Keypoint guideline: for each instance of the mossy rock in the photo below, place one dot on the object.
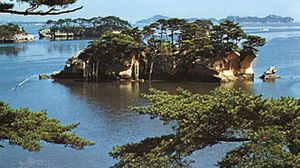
(44, 76)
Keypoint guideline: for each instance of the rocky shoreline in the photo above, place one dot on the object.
(56, 34)
(233, 67)
(18, 38)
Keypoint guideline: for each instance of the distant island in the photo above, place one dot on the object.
(82, 27)
(12, 33)
(271, 19)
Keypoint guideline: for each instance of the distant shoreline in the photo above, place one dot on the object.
(271, 20)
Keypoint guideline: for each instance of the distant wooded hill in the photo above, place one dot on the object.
(267, 19)
(271, 19)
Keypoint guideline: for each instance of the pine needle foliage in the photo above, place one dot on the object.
(27, 129)
(266, 130)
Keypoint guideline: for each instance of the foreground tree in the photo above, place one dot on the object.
(267, 130)
(55, 7)
(26, 128)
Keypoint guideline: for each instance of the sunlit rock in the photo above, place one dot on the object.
(270, 74)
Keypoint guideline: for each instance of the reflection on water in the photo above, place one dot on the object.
(12, 50)
(124, 94)
(246, 86)
(109, 94)
(63, 47)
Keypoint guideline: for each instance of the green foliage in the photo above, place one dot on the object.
(224, 37)
(9, 30)
(199, 41)
(26, 129)
(151, 152)
(196, 41)
(115, 42)
(110, 48)
(108, 23)
(88, 28)
(252, 42)
(266, 129)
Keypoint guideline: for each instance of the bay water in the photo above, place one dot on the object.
(101, 108)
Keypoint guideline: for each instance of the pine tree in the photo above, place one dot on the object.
(265, 130)
(55, 7)
(27, 129)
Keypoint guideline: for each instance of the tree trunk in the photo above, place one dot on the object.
(93, 71)
(172, 37)
(161, 36)
(136, 71)
(97, 70)
(151, 69)
(84, 70)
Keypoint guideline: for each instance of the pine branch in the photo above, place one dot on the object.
(41, 13)
(233, 139)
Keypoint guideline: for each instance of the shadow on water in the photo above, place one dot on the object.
(12, 50)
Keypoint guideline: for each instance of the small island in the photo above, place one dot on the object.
(12, 33)
(81, 27)
(168, 49)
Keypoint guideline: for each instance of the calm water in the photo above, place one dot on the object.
(101, 108)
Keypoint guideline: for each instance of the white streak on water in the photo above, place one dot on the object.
(23, 82)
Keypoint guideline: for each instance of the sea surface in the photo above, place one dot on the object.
(101, 108)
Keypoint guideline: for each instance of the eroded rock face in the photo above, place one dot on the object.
(23, 37)
(74, 69)
(232, 67)
(45, 33)
(235, 66)
(132, 72)
(81, 69)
